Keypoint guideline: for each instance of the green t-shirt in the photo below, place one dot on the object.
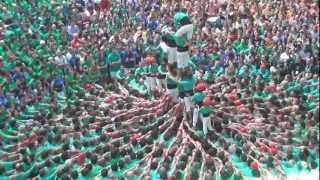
(114, 58)
(198, 97)
(186, 85)
(171, 82)
(153, 68)
(205, 110)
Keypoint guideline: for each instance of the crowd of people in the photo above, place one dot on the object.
(159, 89)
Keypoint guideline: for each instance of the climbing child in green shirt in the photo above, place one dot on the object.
(205, 112)
(197, 99)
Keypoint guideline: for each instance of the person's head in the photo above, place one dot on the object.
(104, 172)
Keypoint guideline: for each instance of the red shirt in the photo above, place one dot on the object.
(237, 103)
(105, 5)
(80, 158)
(134, 136)
(254, 165)
(115, 134)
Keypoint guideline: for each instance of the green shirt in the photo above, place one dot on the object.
(153, 68)
(114, 58)
(205, 110)
(186, 85)
(171, 82)
(198, 97)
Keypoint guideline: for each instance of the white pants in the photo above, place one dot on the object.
(206, 124)
(150, 83)
(186, 29)
(159, 83)
(113, 74)
(173, 93)
(164, 47)
(183, 59)
(172, 55)
(188, 103)
(195, 116)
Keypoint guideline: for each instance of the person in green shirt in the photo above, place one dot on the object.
(151, 69)
(185, 88)
(205, 112)
(113, 60)
(172, 83)
(170, 47)
(197, 99)
(161, 75)
(183, 37)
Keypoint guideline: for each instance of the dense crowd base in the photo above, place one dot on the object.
(110, 134)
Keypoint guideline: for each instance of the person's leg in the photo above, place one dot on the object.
(173, 93)
(188, 106)
(182, 60)
(195, 116)
(210, 124)
(204, 124)
(172, 55)
(159, 83)
(149, 85)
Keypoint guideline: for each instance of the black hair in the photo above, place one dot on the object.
(313, 164)
(163, 173)
(48, 163)
(243, 157)
(133, 155)
(121, 164)
(154, 164)
(253, 154)
(147, 149)
(238, 151)
(142, 143)
(88, 166)
(221, 155)
(114, 152)
(56, 159)
(122, 152)
(94, 159)
(2, 170)
(158, 152)
(134, 142)
(42, 172)
(116, 143)
(184, 157)
(85, 171)
(88, 154)
(98, 149)
(107, 156)
(65, 146)
(253, 138)
(126, 139)
(140, 155)
(103, 137)
(126, 159)
(65, 155)
(114, 167)
(256, 173)
(74, 174)
(303, 154)
(104, 172)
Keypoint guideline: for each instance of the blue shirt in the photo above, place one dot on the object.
(58, 83)
(3, 101)
(153, 25)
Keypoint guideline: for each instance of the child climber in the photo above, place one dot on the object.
(205, 112)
